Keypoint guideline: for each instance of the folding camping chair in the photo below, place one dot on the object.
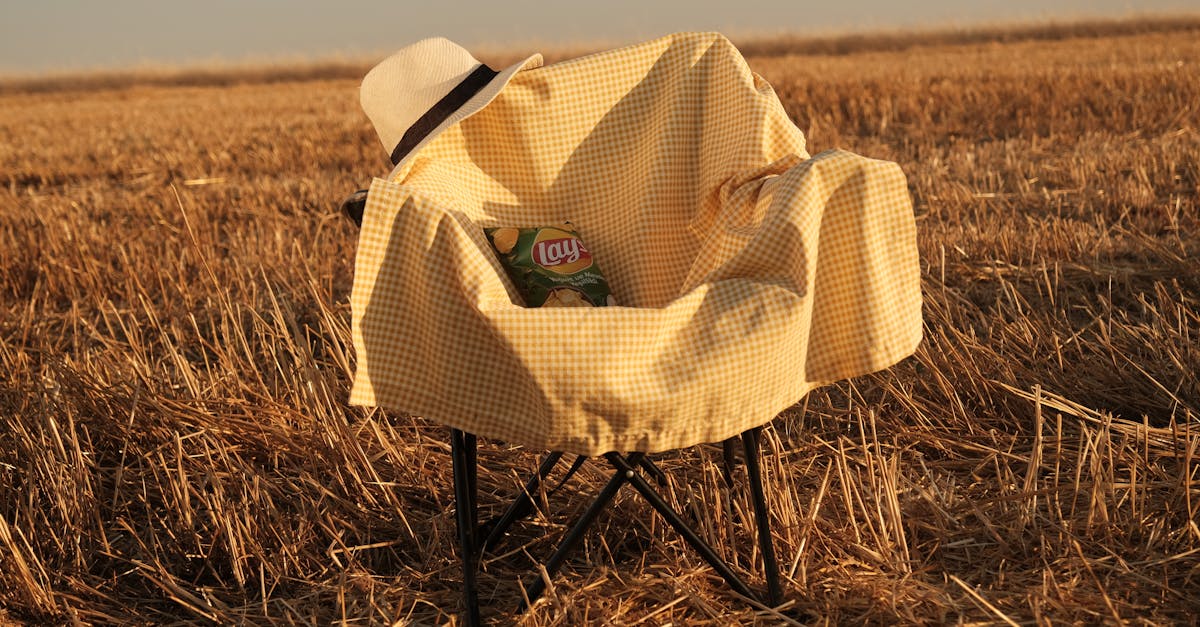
(475, 539)
(748, 274)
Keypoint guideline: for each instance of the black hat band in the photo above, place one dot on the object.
(438, 113)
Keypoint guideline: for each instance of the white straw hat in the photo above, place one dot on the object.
(425, 87)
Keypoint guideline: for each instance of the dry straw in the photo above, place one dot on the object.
(175, 445)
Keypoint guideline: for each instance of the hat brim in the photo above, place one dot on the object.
(477, 102)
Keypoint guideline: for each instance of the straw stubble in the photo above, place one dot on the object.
(175, 444)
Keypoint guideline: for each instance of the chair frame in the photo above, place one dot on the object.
(474, 539)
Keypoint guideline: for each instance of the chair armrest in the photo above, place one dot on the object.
(352, 206)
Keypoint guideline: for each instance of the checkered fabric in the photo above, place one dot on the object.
(747, 272)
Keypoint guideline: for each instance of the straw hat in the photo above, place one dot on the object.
(425, 87)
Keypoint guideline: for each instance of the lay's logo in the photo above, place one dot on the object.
(560, 251)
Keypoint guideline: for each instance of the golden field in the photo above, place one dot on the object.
(175, 443)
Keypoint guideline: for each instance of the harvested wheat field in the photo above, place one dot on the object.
(176, 446)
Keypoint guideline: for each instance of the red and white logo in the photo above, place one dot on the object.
(561, 252)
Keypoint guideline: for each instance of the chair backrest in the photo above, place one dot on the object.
(639, 147)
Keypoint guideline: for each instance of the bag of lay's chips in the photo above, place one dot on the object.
(550, 266)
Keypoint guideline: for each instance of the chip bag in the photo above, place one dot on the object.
(550, 266)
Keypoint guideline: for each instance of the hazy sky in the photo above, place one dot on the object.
(39, 36)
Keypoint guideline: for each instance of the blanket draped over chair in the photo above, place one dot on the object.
(746, 271)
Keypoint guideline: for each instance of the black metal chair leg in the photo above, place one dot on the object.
(470, 445)
(750, 441)
(462, 453)
(522, 506)
(728, 458)
(575, 533)
(653, 470)
(625, 467)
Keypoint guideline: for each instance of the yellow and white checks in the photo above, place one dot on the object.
(748, 272)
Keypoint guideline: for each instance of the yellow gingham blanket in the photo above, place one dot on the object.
(748, 272)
